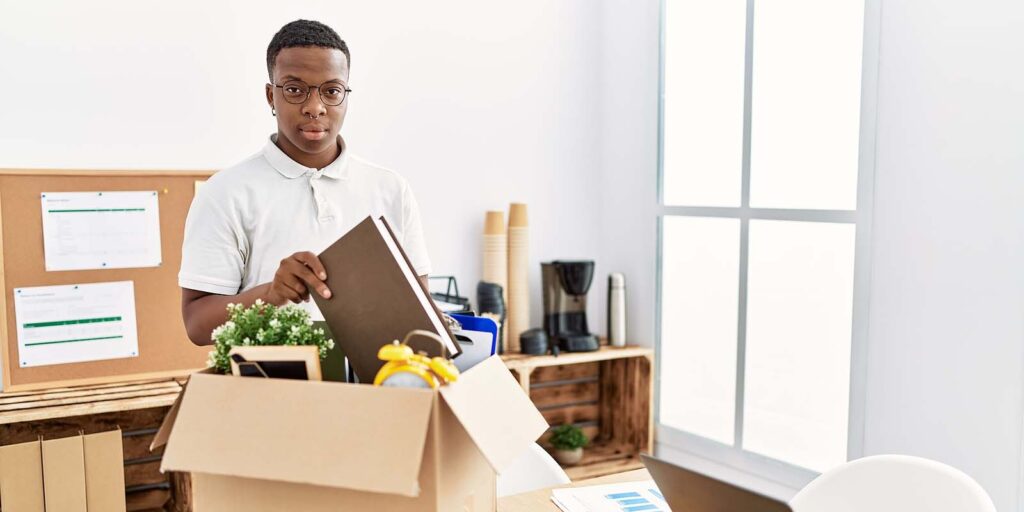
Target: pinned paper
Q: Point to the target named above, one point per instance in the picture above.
(99, 230)
(75, 323)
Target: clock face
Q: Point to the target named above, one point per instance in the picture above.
(405, 380)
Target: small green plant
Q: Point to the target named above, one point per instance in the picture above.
(264, 324)
(568, 437)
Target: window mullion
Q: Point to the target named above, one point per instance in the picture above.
(741, 330)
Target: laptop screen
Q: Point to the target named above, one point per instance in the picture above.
(689, 491)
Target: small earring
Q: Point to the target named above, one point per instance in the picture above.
(273, 112)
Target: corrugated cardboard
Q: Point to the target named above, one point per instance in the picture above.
(272, 444)
(21, 477)
(483, 417)
(79, 474)
(104, 472)
(301, 432)
(64, 475)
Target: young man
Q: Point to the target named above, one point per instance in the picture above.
(253, 230)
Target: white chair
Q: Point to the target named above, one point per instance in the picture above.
(534, 469)
(893, 483)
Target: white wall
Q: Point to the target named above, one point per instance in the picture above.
(478, 104)
(629, 144)
(946, 357)
(946, 350)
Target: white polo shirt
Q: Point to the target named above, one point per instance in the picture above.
(245, 219)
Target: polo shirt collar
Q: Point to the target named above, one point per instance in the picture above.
(338, 169)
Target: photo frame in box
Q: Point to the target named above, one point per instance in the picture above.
(300, 362)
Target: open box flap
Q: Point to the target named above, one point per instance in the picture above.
(321, 433)
(492, 407)
(164, 432)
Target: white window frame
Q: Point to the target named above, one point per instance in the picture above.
(728, 461)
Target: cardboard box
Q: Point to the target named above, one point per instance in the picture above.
(271, 444)
(84, 473)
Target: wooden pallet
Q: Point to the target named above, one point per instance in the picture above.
(607, 393)
(137, 408)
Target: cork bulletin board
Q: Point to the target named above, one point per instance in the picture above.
(164, 347)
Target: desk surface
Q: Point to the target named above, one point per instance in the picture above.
(541, 500)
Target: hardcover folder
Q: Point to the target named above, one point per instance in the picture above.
(376, 298)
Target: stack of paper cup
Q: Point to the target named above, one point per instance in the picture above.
(518, 282)
(496, 255)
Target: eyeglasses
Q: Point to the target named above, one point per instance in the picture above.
(331, 93)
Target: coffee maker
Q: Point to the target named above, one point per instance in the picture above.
(565, 285)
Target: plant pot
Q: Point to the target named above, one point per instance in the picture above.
(568, 457)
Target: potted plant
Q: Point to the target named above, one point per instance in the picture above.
(265, 324)
(568, 441)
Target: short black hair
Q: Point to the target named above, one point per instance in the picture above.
(304, 33)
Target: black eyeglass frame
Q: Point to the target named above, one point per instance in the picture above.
(309, 90)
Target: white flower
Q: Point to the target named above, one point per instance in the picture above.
(275, 323)
(229, 325)
(259, 302)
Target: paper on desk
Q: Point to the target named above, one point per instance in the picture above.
(624, 497)
(75, 323)
(96, 230)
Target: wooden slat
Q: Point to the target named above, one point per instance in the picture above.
(93, 399)
(522, 376)
(153, 499)
(587, 470)
(572, 414)
(7, 394)
(95, 394)
(86, 399)
(626, 402)
(565, 372)
(137, 447)
(181, 492)
(142, 474)
(164, 400)
(13, 433)
(565, 394)
(96, 387)
(514, 361)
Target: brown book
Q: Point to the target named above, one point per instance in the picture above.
(376, 297)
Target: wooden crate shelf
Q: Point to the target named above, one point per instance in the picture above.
(607, 393)
(137, 408)
(605, 459)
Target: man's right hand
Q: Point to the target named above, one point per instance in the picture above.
(295, 276)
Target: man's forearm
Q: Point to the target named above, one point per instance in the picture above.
(204, 314)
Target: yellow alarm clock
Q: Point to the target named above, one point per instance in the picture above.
(406, 368)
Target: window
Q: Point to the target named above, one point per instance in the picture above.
(762, 228)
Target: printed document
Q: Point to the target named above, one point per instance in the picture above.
(98, 230)
(75, 323)
(624, 497)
